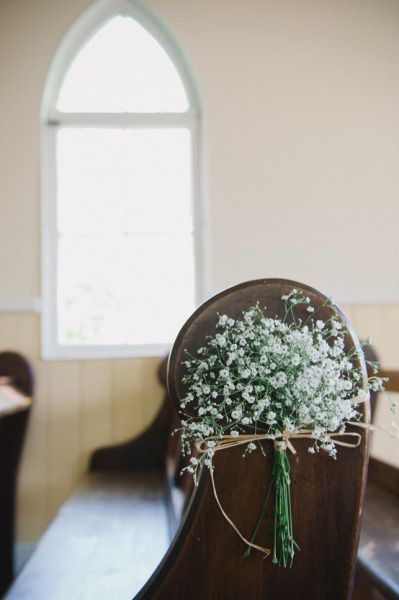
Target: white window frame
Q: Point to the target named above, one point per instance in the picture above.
(51, 119)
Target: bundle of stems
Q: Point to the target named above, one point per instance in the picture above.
(284, 543)
(283, 540)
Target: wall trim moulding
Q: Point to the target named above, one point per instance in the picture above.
(20, 305)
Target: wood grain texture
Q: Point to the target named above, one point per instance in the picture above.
(127, 410)
(96, 405)
(377, 572)
(379, 541)
(104, 543)
(327, 498)
(145, 451)
(65, 431)
(91, 406)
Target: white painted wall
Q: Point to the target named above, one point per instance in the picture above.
(302, 125)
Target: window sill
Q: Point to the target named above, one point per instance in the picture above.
(104, 352)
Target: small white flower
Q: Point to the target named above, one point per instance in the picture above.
(296, 360)
(222, 320)
(245, 373)
(220, 340)
(237, 413)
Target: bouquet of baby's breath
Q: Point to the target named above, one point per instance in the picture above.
(278, 378)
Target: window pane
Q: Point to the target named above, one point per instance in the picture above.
(132, 181)
(124, 290)
(159, 287)
(122, 68)
(90, 301)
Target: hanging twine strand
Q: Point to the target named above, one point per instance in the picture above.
(280, 445)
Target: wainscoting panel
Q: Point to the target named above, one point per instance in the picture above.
(78, 406)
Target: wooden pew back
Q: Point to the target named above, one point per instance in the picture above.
(206, 558)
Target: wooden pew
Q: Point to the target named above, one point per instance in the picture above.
(16, 391)
(109, 537)
(147, 451)
(156, 450)
(205, 559)
(111, 534)
(377, 576)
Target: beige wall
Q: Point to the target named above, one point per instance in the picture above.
(302, 128)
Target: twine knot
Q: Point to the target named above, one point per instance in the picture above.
(280, 445)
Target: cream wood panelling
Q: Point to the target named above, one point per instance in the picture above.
(78, 406)
(127, 401)
(383, 446)
(33, 502)
(381, 324)
(65, 460)
(81, 405)
(97, 406)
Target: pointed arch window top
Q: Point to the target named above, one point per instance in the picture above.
(122, 68)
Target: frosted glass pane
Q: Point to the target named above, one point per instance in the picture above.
(160, 289)
(122, 290)
(90, 298)
(132, 181)
(122, 68)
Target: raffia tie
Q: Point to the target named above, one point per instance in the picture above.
(280, 445)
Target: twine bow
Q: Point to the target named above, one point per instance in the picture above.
(280, 445)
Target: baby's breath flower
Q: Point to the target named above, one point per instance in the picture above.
(273, 374)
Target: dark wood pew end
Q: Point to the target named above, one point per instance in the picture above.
(377, 576)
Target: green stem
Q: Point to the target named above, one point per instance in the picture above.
(283, 540)
(284, 544)
(260, 519)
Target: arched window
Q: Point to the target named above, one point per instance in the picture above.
(121, 188)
